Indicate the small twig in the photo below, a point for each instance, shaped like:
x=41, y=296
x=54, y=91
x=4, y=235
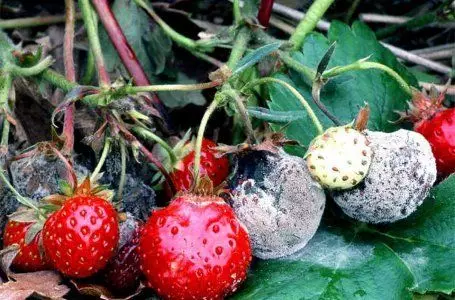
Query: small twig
x=410, y=57
x=450, y=90
x=434, y=49
x=441, y=54
x=386, y=19
x=403, y=54
x=33, y=21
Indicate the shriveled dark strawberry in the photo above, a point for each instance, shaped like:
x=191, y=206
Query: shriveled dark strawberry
x=122, y=274
x=194, y=249
x=29, y=257
x=82, y=236
x=212, y=165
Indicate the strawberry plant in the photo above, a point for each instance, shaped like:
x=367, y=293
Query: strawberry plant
x=250, y=151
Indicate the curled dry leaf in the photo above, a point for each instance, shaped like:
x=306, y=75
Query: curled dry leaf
x=97, y=290
x=43, y=283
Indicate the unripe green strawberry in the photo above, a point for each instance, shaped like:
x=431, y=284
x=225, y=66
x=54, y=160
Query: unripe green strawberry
x=339, y=158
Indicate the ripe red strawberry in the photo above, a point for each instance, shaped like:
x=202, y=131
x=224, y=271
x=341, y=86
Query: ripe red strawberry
x=29, y=257
x=437, y=124
x=81, y=237
x=440, y=133
x=194, y=249
x=216, y=168
x=123, y=272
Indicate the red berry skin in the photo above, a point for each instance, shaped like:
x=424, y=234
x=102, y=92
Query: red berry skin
x=440, y=133
x=82, y=236
x=122, y=274
x=194, y=249
x=216, y=168
x=29, y=258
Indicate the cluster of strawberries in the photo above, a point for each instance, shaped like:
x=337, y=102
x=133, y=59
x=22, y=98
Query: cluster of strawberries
x=197, y=248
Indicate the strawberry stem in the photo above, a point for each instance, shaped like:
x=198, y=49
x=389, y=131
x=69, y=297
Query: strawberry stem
x=236, y=10
x=179, y=39
x=122, y=180
x=70, y=74
x=106, y=148
x=243, y=114
x=171, y=87
x=57, y=80
x=4, y=96
x=30, y=71
x=33, y=21
x=92, y=33
x=365, y=65
x=147, y=134
x=265, y=11
x=219, y=97
x=302, y=100
x=308, y=23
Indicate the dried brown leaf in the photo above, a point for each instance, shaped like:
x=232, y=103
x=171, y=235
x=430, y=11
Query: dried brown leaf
x=43, y=283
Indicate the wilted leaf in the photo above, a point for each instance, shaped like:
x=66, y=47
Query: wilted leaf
x=43, y=283
x=349, y=260
x=100, y=291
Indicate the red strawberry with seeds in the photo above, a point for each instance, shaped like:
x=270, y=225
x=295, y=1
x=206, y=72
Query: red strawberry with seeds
x=29, y=258
x=437, y=124
x=212, y=165
x=194, y=249
x=440, y=133
x=82, y=236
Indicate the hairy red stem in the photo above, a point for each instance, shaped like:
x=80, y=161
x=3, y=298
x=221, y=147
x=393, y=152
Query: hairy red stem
x=70, y=74
x=265, y=11
x=124, y=49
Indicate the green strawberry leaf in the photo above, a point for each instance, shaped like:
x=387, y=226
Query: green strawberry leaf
x=353, y=260
x=346, y=93
x=151, y=45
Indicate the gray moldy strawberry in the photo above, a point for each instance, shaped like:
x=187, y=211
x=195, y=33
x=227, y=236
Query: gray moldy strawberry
x=401, y=174
x=275, y=197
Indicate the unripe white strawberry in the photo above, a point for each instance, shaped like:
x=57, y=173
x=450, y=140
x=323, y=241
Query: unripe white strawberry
x=339, y=158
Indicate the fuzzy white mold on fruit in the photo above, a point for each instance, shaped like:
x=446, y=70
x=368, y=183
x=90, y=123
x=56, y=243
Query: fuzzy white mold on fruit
x=279, y=203
x=339, y=158
x=401, y=175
